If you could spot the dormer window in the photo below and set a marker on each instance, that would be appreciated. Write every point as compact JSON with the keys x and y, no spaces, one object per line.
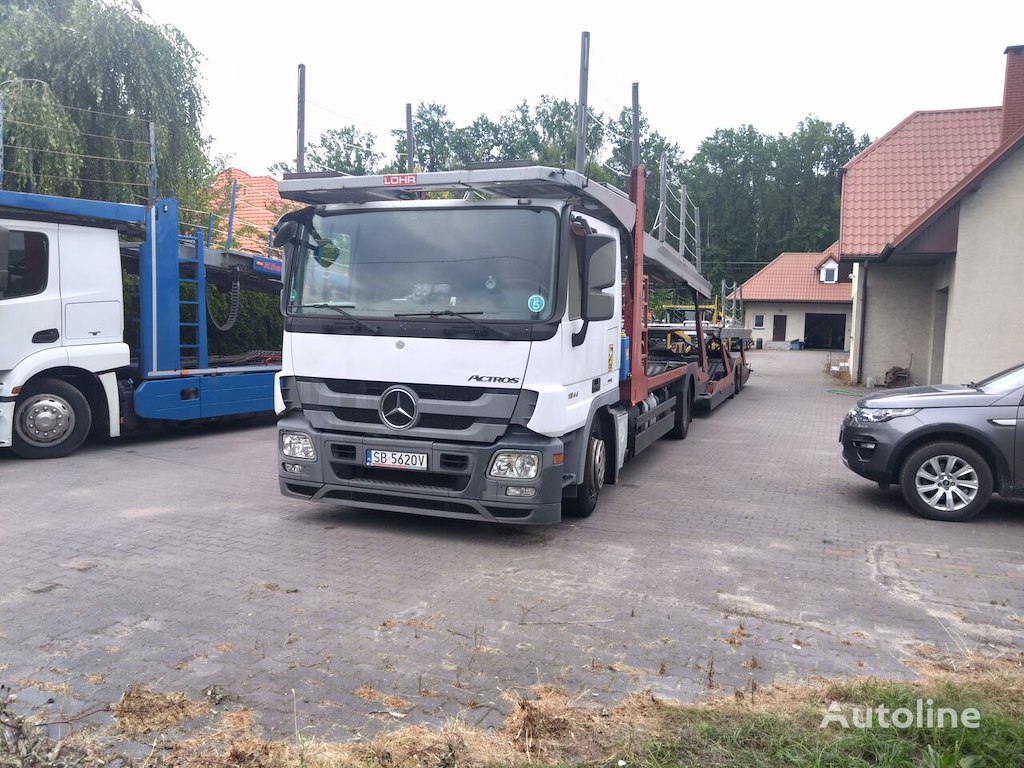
{"x":829,"y":271}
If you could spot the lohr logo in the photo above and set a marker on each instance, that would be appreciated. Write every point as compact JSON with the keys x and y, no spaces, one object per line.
{"x":400,"y":180}
{"x":494,"y":379}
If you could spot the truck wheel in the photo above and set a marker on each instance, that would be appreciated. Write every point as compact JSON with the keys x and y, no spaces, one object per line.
{"x":51,"y":419}
{"x":946,"y":481}
{"x":683,"y":415}
{"x":595,"y":467}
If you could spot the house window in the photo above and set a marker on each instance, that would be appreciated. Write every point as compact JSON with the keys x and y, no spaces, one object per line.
{"x":759,"y":321}
{"x":828,"y":275}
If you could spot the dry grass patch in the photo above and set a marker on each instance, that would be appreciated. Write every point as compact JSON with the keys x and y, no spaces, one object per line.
{"x":141,"y":711}
{"x":366,"y":693}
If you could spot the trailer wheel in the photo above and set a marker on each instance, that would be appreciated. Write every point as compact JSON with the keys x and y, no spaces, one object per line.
{"x":737,"y":383}
{"x":594,"y":470}
{"x":683,"y":415}
{"x":52,"y":419}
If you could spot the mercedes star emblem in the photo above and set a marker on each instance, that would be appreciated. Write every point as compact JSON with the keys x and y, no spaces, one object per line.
{"x":397,"y":408}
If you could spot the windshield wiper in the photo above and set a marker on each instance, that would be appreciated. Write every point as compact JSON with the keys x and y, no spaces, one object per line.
{"x":501,"y":334}
{"x":358,"y":323}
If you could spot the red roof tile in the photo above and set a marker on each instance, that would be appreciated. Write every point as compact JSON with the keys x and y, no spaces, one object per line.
{"x":795,"y":277}
{"x":901,"y":175}
{"x":258,"y":206}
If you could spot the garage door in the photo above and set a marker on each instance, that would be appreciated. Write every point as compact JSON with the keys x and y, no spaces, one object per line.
{"x":824,"y":331}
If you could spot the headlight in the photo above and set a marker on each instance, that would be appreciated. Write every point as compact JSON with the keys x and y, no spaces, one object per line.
{"x":515,"y":465}
{"x":877,"y":415}
{"x":297,"y":445}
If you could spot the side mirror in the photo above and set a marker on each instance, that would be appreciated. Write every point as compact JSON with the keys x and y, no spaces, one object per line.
{"x":601,"y":270}
{"x":5,"y":251}
{"x":326,"y":254}
{"x":284,"y":231}
{"x":600,"y":306}
{"x":602,"y":265}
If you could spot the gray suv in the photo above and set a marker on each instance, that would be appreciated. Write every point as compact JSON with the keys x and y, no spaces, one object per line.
{"x":949,"y":448}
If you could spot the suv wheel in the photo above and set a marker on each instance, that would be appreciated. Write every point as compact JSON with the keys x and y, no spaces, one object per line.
{"x":946,"y":481}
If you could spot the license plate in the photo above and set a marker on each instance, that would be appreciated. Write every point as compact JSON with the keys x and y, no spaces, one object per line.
{"x":396,"y":460}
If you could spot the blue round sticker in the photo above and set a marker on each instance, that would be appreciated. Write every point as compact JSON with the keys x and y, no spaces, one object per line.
{"x":536,"y":303}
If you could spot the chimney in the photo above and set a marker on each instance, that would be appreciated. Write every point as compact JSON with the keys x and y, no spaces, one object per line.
{"x":1013,"y":91}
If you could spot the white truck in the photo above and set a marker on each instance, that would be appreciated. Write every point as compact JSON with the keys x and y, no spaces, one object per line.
{"x":67,"y":366}
{"x":482,"y":356}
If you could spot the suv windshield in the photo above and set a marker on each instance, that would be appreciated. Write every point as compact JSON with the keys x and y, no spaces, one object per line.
{"x":495,"y":263}
{"x":1003,"y":382}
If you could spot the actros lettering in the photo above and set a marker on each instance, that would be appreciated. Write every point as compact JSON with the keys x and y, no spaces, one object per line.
{"x":494,"y":379}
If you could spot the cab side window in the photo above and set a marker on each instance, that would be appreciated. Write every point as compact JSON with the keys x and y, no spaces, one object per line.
{"x":28,"y":264}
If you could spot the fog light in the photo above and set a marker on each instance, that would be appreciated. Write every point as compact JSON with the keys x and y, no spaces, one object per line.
{"x":297,"y":445}
{"x":515,"y":465}
{"x":518,"y":490}
{"x":295,"y":469}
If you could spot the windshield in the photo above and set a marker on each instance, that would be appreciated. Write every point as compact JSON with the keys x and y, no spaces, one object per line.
{"x":489,"y":262}
{"x":1003,"y":382}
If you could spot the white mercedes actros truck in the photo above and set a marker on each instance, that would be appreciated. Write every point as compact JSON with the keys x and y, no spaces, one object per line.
{"x":474,"y":344}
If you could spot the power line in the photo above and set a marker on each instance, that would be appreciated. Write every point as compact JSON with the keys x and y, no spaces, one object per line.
{"x":76,"y":133}
{"x":74,"y":154}
{"x":79,"y":180}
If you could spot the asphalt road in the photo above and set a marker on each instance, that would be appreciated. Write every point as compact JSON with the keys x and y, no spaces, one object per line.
{"x":745,"y":553}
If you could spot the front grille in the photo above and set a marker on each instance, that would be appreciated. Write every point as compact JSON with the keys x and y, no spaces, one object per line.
{"x":426,"y":420}
{"x":426,"y":391}
{"x":445,"y":412}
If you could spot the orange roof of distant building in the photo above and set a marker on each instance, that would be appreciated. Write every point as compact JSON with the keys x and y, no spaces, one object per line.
{"x":257,"y":206}
{"x":889,"y":185}
{"x":796,"y":277}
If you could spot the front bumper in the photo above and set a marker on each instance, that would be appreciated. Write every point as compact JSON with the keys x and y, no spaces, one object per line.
{"x":455,"y":484}
{"x":871,"y":449}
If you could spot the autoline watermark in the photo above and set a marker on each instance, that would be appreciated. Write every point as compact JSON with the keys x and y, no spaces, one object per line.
{"x":923,"y":715}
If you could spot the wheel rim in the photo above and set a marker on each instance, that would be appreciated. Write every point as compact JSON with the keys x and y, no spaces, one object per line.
{"x":45,"y":420}
{"x":947,"y":483}
{"x":597,"y":465}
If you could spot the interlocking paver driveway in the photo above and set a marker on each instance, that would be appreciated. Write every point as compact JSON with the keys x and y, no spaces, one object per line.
{"x":746,"y":553}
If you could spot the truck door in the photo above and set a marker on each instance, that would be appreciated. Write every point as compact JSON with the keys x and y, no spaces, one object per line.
{"x":598,"y":354}
{"x":30,"y":310}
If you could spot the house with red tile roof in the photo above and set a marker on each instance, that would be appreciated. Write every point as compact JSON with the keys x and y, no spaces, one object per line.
{"x":258,"y":206}
{"x":803,"y":297}
{"x":932,"y":223}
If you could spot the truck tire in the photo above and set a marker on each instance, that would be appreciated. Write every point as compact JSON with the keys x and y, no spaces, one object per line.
{"x":594,"y":470}
{"x":946,"y":481}
{"x":683,"y":415}
{"x":51,"y":419}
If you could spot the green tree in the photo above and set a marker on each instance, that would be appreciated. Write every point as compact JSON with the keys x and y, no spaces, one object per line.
{"x":653,"y":146}
{"x":107,"y":71}
{"x":763,"y":195}
{"x":344,"y":150}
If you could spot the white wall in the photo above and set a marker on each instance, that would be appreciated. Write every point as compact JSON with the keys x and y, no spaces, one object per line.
{"x":985,"y":321}
{"x":898,"y":303}
{"x":795,"y":316}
